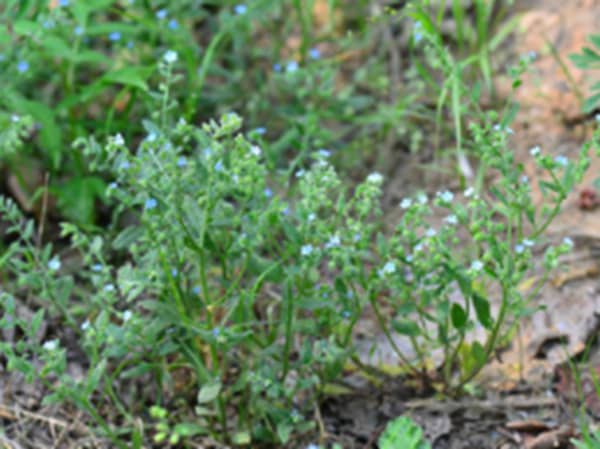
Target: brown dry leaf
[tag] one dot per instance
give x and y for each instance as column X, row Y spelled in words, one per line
column 527, row 425
column 552, row 439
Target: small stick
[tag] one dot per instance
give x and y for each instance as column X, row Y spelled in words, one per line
column 44, row 211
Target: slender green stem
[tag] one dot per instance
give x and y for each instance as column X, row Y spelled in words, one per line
column 289, row 319
column 381, row 321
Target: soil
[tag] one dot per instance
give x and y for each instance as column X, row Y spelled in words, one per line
column 528, row 397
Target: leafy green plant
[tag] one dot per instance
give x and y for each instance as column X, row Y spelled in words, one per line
column 251, row 279
column 474, row 46
column 83, row 68
column 402, row 433
column 589, row 58
column 590, row 440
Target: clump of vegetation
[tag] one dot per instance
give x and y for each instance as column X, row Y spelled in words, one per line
column 228, row 259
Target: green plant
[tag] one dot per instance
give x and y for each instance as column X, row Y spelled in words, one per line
column 251, row 279
column 67, row 62
column 474, row 47
column 589, row 58
column 590, row 440
column 402, row 433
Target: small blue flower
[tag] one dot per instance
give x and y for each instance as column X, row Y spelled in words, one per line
column 324, row 153
column 207, row 152
column 63, row 3
column 124, row 165
column 181, row 162
column 476, row 265
column 356, row 237
column 388, row 268
column 452, row 219
column 334, row 241
column 306, row 250
column 405, row 203
column 50, row 345
column 150, row 203
column 174, row 272
column 78, row 30
column 268, row 193
column 216, row 331
column 346, row 314
column 151, row 137
column 260, row 130
column 561, row 160
column 446, row 196
column 97, row 267
column 109, row 288
column 22, row 66
column 568, row 241
column 417, row 31
column 286, row 210
column 291, row 66
column 219, row 166
column 519, row 248
column 54, row 264
column 241, row 9
column 113, row 185
column 115, row 36
column 161, row 14
column 173, row 24
column 196, row 290
column 375, row 178
column 277, row 67
column 314, row 53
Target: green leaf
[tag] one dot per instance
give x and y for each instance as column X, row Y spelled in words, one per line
column 138, row 370
column 591, row 103
column 241, row 438
column 402, row 433
column 209, row 392
column 186, row 429
column 478, row 353
column 595, row 39
column 77, row 198
column 458, row 315
column 482, row 311
column 36, row 322
column 406, row 327
column 284, row 430
column 95, row 376
column 129, row 76
column 127, row 237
